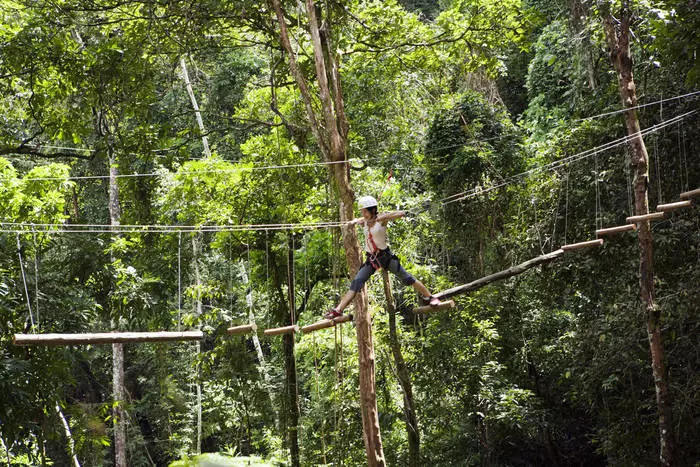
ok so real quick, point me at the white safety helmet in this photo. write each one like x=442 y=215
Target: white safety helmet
x=367 y=202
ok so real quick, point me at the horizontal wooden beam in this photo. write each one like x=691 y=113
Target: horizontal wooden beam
x=690 y=194
x=645 y=217
x=283 y=330
x=672 y=206
x=242 y=329
x=515 y=270
x=326 y=323
x=105 y=338
x=617 y=229
x=438 y=307
x=582 y=245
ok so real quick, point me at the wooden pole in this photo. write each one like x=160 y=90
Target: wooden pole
x=404 y=377
x=617 y=229
x=242 y=329
x=582 y=245
x=438 y=307
x=690 y=194
x=105 y=338
x=674 y=206
x=326 y=323
x=283 y=330
x=645 y=217
x=518 y=269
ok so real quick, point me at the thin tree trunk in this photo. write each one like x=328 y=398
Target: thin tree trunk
x=617 y=36
x=290 y=363
x=197 y=113
x=117 y=349
x=403 y=376
x=331 y=135
x=69 y=436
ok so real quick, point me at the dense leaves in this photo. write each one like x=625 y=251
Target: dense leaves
x=484 y=113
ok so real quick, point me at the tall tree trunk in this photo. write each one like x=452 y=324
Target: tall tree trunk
x=331 y=132
x=117 y=349
x=404 y=377
x=197 y=113
x=617 y=33
x=290 y=362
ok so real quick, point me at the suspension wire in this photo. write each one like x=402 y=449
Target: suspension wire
x=252 y=168
x=179 y=279
x=555 y=164
x=615 y=112
x=556 y=216
x=598 y=222
x=319 y=399
x=36 y=277
x=164 y=228
x=24 y=281
x=658 y=170
x=629 y=180
x=566 y=205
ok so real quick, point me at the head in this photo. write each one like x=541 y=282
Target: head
x=368 y=206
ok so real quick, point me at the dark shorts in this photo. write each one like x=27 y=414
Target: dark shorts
x=386 y=260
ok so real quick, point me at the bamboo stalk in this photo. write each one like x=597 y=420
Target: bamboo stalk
x=438 y=307
x=283 y=330
x=690 y=194
x=617 y=229
x=645 y=217
x=105 y=338
x=672 y=206
x=582 y=245
x=326 y=323
x=242 y=329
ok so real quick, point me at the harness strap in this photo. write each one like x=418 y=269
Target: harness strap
x=373 y=259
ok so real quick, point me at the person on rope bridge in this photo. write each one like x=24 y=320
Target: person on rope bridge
x=378 y=255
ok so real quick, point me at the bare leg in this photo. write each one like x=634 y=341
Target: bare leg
x=421 y=289
x=345 y=301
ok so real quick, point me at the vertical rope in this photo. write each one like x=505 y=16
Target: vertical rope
x=320 y=400
x=598 y=222
x=36 y=277
x=566 y=206
x=556 y=216
x=24 y=281
x=658 y=169
x=179 y=279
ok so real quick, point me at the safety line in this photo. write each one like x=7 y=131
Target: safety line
x=574 y=158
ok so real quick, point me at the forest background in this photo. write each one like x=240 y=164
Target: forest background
x=494 y=119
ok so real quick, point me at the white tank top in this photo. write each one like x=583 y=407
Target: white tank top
x=378 y=231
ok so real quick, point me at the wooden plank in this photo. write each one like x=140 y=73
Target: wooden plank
x=515 y=270
x=242 y=329
x=582 y=245
x=690 y=194
x=283 y=330
x=326 y=323
x=673 y=206
x=617 y=229
x=438 y=307
x=645 y=217
x=105 y=338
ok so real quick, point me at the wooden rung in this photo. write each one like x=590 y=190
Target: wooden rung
x=672 y=206
x=283 y=330
x=645 y=217
x=105 y=338
x=438 y=307
x=242 y=329
x=690 y=194
x=582 y=245
x=326 y=323
x=614 y=230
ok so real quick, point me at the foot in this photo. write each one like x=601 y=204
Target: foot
x=333 y=313
x=432 y=300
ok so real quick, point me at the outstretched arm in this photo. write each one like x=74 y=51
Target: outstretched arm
x=390 y=216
